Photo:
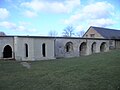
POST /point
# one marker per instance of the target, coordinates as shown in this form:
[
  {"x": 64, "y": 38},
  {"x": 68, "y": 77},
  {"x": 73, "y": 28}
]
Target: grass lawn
[{"x": 94, "y": 72}]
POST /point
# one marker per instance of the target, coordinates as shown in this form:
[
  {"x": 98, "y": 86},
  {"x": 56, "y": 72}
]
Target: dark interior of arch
[
  {"x": 83, "y": 48},
  {"x": 93, "y": 48},
  {"x": 69, "y": 46},
  {"x": 7, "y": 52},
  {"x": 102, "y": 47}
]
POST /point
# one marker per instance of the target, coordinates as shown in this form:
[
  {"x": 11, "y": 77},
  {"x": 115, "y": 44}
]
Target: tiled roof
[{"x": 107, "y": 33}]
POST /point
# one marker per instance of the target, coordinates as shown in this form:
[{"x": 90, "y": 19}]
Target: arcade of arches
[
  {"x": 7, "y": 51},
  {"x": 83, "y": 47}
]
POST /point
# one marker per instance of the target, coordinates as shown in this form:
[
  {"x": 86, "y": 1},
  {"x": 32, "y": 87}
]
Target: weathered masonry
[
  {"x": 31, "y": 48},
  {"x": 74, "y": 47},
  {"x": 26, "y": 48}
]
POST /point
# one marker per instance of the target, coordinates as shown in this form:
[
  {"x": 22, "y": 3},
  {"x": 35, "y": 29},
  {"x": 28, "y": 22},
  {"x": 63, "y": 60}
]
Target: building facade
[
  {"x": 26, "y": 48},
  {"x": 32, "y": 48},
  {"x": 29, "y": 48},
  {"x": 99, "y": 32},
  {"x": 75, "y": 47}
]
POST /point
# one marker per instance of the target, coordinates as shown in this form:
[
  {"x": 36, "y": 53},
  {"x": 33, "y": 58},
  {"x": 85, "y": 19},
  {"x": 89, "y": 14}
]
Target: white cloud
[
  {"x": 24, "y": 23},
  {"x": 98, "y": 14},
  {"x": 53, "y": 6},
  {"x": 4, "y": 13},
  {"x": 8, "y": 25},
  {"x": 13, "y": 26},
  {"x": 98, "y": 10},
  {"x": 30, "y": 14},
  {"x": 101, "y": 22},
  {"x": 34, "y": 4},
  {"x": 79, "y": 28},
  {"x": 56, "y": 7},
  {"x": 73, "y": 19},
  {"x": 21, "y": 28}
]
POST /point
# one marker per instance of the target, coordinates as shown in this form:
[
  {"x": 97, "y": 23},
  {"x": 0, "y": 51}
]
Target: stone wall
[
  {"x": 40, "y": 48},
  {"x": 4, "y": 41},
  {"x": 34, "y": 48},
  {"x": 79, "y": 47}
]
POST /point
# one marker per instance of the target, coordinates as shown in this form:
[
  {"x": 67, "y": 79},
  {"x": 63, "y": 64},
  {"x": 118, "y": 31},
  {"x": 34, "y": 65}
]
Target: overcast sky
[{"x": 38, "y": 17}]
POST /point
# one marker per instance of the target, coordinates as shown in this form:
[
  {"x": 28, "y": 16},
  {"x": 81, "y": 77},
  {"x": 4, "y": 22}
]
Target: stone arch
[
  {"x": 103, "y": 47},
  {"x": 69, "y": 47},
  {"x": 93, "y": 47},
  {"x": 7, "y": 51},
  {"x": 83, "y": 48}
]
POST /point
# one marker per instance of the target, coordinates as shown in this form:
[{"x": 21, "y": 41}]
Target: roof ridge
[
  {"x": 105, "y": 28},
  {"x": 107, "y": 33}
]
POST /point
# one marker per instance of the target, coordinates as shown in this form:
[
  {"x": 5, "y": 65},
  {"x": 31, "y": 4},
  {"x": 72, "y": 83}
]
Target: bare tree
[
  {"x": 80, "y": 33},
  {"x": 68, "y": 31},
  {"x": 52, "y": 33}
]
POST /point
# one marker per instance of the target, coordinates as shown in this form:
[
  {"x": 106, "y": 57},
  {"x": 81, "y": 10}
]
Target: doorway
[{"x": 7, "y": 52}]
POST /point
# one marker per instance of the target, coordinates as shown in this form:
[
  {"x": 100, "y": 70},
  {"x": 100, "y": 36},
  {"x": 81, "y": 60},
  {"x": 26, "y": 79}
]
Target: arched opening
[
  {"x": 69, "y": 47},
  {"x": 43, "y": 49},
  {"x": 26, "y": 50},
  {"x": 93, "y": 47},
  {"x": 7, "y": 52},
  {"x": 83, "y": 48},
  {"x": 103, "y": 47}
]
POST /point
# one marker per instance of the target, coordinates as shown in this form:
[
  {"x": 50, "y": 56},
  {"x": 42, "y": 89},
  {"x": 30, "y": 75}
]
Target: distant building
[
  {"x": 99, "y": 32},
  {"x": 105, "y": 33}
]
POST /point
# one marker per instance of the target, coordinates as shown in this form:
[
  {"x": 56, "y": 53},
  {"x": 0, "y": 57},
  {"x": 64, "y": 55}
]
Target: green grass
[{"x": 94, "y": 72}]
